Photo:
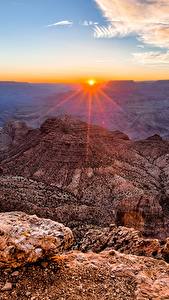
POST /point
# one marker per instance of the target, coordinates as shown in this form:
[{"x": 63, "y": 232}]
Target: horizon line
[{"x": 80, "y": 81}]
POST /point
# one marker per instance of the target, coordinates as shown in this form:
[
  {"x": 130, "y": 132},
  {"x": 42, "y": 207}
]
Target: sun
[
  {"x": 91, "y": 82},
  {"x": 91, "y": 86}
]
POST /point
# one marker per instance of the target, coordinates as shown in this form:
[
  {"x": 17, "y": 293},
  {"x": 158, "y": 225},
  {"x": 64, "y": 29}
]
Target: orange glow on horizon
[
  {"x": 91, "y": 86},
  {"x": 36, "y": 78}
]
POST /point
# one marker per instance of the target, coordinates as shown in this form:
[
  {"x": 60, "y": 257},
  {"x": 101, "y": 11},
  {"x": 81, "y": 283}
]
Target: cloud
[
  {"x": 152, "y": 58},
  {"x": 141, "y": 46},
  {"x": 110, "y": 31},
  {"x": 88, "y": 23},
  {"x": 147, "y": 19},
  {"x": 157, "y": 35},
  {"x": 61, "y": 23}
]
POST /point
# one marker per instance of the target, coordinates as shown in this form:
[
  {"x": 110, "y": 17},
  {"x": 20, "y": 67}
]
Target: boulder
[{"x": 27, "y": 239}]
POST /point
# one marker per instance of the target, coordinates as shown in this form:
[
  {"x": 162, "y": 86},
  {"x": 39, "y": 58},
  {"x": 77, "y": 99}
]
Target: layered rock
[
  {"x": 20, "y": 194},
  {"x": 124, "y": 240},
  {"x": 32, "y": 197},
  {"x": 27, "y": 239},
  {"x": 11, "y": 135},
  {"x": 114, "y": 179}
]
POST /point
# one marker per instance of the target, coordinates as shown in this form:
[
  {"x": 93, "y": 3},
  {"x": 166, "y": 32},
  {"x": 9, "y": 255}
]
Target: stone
[
  {"x": 15, "y": 274},
  {"x": 102, "y": 275},
  {"x": 44, "y": 264},
  {"x": 125, "y": 240},
  {"x": 27, "y": 239},
  {"x": 12, "y": 134},
  {"x": 7, "y": 287}
]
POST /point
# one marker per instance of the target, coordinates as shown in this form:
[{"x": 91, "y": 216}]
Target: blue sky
[{"x": 43, "y": 40}]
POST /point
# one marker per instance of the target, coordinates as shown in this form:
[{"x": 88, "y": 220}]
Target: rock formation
[
  {"x": 113, "y": 179},
  {"x": 46, "y": 201},
  {"x": 140, "y": 109},
  {"x": 27, "y": 239},
  {"x": 11, "y": 135},
  {"x": 124, "y": 240},
  {"x": 78, "y": 276}
]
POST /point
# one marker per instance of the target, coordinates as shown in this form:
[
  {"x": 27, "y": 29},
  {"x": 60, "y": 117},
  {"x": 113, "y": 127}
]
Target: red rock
[{"x": 114, "y": 179}]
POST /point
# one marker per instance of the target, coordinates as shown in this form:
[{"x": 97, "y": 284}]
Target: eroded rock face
[
  {"x": 46, "y": 201},
  {"x": 114, "y": 179},
  {"x": 27, "y": 239},
  {"x": 11, "y": 135},
  {"x": 122, "y": 239},
  {"x": 16, "y": 130}
]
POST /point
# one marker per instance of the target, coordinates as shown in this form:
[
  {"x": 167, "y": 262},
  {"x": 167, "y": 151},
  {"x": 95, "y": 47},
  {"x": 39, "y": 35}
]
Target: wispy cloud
[
  {"x": 61, "y": 23},
  {"x": 70, "y": 23},
  {"x": 152, "y": 58},
  {"x": 140, "y": 46},
  {"x": 109, "y": 31},
  {"x": 88, "y": 23},
  {"x": 148, "y": 20}
]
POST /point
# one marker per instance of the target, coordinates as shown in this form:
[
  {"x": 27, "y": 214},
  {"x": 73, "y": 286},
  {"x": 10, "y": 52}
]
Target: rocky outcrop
[
  {"x": 11, "y": 135},
  {"x": 105, "y": 276},
  {"x": 114, "y": 179},
  {"x": 16, "y": 130},
  {"x": 46, "y": 201},
  {"x": 27, "y": 239},
  {"x": 124, "y": 240},
  {"x": 20, "y": 194}
]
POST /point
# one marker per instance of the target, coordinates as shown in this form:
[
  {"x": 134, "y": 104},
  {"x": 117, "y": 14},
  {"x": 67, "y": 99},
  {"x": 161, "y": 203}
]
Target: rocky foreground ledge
[
  {"x": 37, "y": 263},
  {"x": 78, "y": 276},
  {"x": 27, "y": 239}
]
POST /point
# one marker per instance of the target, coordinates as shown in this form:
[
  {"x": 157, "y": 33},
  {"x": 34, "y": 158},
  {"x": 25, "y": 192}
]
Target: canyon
[
  {"x": 109, "y": 191},
  {"x": 139, "y": 109},
  {"x": 108, "y": 177}
]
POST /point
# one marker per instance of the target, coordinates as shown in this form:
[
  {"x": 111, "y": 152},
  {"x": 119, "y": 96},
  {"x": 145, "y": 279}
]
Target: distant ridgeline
[
  {"x": 23, "y": 100},
  {"x": 140, "y": 109}
]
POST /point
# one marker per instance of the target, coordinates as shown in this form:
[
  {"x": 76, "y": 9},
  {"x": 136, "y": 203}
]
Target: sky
[{"x": 73, "y": 40}]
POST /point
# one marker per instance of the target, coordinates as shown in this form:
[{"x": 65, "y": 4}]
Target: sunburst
[
  {"x": 93, "y": 97},
  {"x": 91, "y": 82}
]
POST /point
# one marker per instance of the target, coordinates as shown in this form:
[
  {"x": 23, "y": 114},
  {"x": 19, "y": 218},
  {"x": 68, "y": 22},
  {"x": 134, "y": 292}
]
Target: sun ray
[
  {"x": 64, "y": 101},
  {"x": 88, "y": 126},
  {"x": 92, "y": 102},
  {"x": 110, "y": 100},
  {"x": 101, "y": 109}
]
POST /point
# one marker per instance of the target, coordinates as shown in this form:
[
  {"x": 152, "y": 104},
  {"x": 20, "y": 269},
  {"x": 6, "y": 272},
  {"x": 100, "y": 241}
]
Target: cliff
[{"x": 113, "y": 179}]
